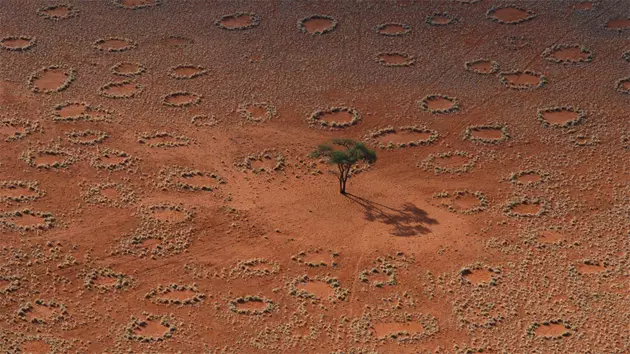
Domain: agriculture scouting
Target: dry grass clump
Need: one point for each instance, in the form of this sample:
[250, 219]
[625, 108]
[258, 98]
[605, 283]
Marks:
[154, 240]
[302, 27]
[381, 58]
[531, 330]
[8, 219]
[432, 162]
[626, 56]
[160, 295]
[623, 85]
[542, 80]
[28, 127]
[197, 71]
[372, 137]
[137, 89]
[516, 177]
[32, 187]
[324, 258]
[459, 194]
[193, 99]
[31, 43]
[548, 54]
[48, 12]
[124, 4]
[243, 301]
[490, 14]
[64, 158]
[13, 283]
[543, 207]
[87, 137]
[379, 29]
[625, 141]
[567, 124]
[424, 104]
[115, 281]
[251, 161]
[87, 113]
[435, 19]
[183, 178]
[111, 159]
[495, 275]
[255, 267]
[364, 327]
[95, 194]
[494, 66]
[139, 71]
[474, 314]
[59, 312]
[315, 117]
[70, 73]
[245, 111]
[254, 21]
[469, 133]
[337, 292]
[204, 121]
[163, 139]
[136, 326]
[98, 44]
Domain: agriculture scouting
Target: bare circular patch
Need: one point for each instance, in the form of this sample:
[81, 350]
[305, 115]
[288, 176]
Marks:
[265, 161]
[109, 193]
[251, 305]
[46, 158]
[515, 42]
[51, 79]
[128, 69]
[75, 111]
[121, 89]
[114, 44]
[554, 329]
[20, 191]
[480, 275]
[623, 85]
[238, 21]
[441, 19]
[27, 220]
[181, 99]
[175, 294]
[335, 117]
[16, 129]
[526, 207]
[166, 213]
[317, 288]
[449, 162]
[510, 15]
[618, 24]
[57, 12]
[522, 80]
[204, 121]
[136, 4]
[406, 136]
[482, 66]
[528, 177]
[568, 54]
[392, 29]
[163, 139]
[585, 140]
[317, 24]
[255, 267]
[463, 202]
[105, 279]
[487, 134]
[439, 104]
[87, 137]
[183, 72]
[584, 6]
[110, 159]
[316, 258]
[395, 59]
[560, 117]
[257, 111]
[152, 329]
[17, 43]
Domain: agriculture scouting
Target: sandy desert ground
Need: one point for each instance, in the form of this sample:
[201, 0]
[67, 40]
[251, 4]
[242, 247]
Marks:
[157, 193]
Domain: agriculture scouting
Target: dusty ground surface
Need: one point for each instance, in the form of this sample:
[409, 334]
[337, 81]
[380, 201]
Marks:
[157, 195]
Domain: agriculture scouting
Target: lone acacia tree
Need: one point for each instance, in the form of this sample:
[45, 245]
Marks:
[349, 153]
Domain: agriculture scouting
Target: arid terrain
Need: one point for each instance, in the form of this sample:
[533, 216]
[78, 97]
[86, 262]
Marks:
[157, 194]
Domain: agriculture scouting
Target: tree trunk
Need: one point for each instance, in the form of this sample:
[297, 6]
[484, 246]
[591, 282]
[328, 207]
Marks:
[344, 178]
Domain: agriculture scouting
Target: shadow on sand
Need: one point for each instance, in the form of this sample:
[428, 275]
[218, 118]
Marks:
[409, 220]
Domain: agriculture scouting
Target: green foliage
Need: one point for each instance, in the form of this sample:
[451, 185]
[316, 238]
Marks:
[352, 152]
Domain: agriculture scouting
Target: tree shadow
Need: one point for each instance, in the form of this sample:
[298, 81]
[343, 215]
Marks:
[409, 220]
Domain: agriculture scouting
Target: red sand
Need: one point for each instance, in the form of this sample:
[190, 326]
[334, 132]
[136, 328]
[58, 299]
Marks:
[391, 221]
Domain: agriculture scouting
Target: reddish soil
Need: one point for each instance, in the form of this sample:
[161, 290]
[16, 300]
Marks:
[526, 208]
[180, 295]
[392, 29]
[16, 43]
[484, 67]
[128, 68]
[439, 103]
[560, 117]
[237, 21]
[404, 137]
[523, 79]
[113, 44]
[394, 59]
[295, 218]
[317, 25]
[569, 54]
[490, 133]
[479, 276]
[510, 14]
[320, 289]
[550, 330]
[527, 178]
